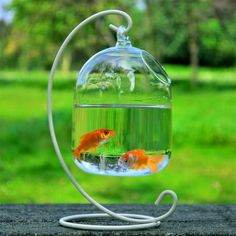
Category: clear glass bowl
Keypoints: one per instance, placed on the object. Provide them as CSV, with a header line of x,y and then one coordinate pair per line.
x,y
122,113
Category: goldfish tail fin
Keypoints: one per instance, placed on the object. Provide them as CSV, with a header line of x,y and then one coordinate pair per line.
x,y
152,165
153,162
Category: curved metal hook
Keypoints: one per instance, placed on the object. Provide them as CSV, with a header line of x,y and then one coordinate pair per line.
x,y
159,199
128,18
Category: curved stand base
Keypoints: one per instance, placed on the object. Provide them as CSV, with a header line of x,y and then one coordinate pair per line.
x,y
64,222
143,221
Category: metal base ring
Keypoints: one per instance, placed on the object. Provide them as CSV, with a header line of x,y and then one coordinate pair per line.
x,y
65,222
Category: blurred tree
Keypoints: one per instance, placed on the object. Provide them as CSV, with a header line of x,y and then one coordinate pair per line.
x,y
39,27
153,28
218,42
197,12
200,31
4,32
175,31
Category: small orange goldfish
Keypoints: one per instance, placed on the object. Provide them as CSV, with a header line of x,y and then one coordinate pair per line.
x,y
92,140
138,160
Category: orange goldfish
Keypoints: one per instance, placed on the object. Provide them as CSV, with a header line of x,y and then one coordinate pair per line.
x,y
138,160
92,140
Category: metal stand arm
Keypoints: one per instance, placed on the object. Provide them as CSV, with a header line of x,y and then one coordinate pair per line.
x,y
142,220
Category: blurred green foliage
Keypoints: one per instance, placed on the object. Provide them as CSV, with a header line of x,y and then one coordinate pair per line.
x,y
173,30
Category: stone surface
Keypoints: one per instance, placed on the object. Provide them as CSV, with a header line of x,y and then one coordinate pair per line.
x,y
42,219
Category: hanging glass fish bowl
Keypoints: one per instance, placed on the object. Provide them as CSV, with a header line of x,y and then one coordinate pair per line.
x,y
122,112
121,122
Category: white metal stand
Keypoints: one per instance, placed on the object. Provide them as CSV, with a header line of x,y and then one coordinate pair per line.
x,y
139,221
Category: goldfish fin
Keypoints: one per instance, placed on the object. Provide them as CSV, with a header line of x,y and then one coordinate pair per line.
x,y
93,149
77,152
153,162
152,165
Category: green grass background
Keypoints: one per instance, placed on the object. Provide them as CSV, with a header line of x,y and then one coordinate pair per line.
x,y
203,164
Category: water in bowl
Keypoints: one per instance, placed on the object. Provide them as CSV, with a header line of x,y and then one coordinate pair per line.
x,y
121,140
